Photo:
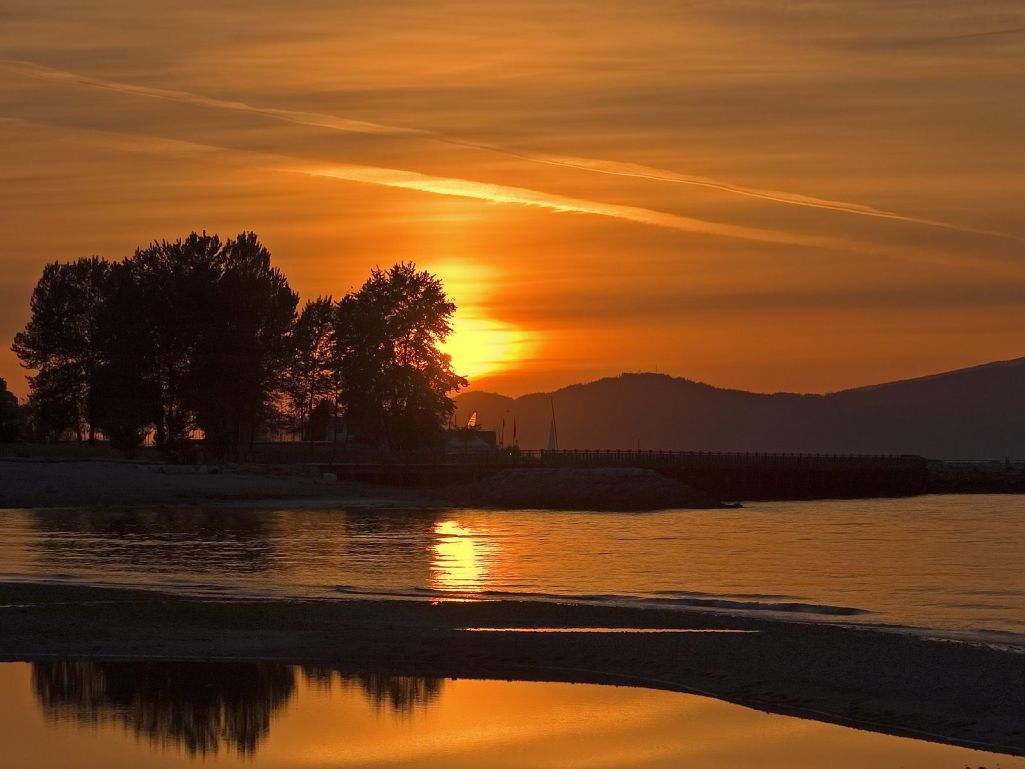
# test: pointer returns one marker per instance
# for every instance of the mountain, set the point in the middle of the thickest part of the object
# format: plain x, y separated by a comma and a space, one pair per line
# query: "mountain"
973, 413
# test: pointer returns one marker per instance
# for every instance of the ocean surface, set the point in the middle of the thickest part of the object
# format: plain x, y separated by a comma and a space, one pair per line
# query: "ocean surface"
946, 565
97, 715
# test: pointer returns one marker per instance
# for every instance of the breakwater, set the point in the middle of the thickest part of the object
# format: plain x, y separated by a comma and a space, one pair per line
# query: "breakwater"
727, 476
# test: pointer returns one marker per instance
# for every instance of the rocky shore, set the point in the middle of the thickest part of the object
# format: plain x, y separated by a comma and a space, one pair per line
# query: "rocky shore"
607, 488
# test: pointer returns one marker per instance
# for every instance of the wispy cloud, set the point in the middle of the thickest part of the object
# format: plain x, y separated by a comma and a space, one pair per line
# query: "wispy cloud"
592, 165
314, 119
498, 193
509, 195
633, 170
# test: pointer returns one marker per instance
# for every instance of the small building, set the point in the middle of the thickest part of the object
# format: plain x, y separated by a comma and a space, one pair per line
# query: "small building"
471, 439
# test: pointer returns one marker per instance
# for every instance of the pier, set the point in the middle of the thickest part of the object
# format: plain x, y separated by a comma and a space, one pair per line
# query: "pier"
727, 476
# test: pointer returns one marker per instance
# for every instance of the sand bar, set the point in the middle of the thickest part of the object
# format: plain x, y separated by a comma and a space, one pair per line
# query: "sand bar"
964, 694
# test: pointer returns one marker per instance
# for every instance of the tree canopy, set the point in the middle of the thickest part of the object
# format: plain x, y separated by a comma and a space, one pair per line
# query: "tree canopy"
201, 337
12, 421
61, 341
395, 380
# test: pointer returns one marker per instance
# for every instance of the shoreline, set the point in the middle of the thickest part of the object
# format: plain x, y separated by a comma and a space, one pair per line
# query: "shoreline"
943, 691
64, 482
103, 483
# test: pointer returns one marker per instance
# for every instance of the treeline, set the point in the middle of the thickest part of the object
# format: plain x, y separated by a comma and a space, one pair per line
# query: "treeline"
203, 338
14, 417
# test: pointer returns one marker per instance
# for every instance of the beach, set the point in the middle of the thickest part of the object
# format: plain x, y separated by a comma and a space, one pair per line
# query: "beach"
900, 683
60, 482
41, 483
957, 693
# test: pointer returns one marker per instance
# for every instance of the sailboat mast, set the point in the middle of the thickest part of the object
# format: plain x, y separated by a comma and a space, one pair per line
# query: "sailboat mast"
553, 432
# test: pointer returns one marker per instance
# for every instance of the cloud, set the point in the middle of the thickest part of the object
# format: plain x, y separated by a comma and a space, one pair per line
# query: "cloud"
509, 195
498, 193
314, 119
592, 165
633, 170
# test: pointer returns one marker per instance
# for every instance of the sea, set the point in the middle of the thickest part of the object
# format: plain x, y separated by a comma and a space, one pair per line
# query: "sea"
945, 566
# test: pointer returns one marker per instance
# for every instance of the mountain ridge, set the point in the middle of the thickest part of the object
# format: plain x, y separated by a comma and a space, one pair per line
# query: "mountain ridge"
969, 413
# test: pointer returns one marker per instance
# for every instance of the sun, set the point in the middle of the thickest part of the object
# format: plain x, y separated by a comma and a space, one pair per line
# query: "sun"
480, 344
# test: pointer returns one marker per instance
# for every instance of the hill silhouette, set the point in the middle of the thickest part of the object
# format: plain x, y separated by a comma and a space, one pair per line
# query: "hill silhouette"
972, 413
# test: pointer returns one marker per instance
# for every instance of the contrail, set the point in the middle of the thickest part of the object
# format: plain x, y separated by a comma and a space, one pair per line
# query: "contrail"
616, 168
607, 167
502, 194
483, 191
314, 119
498, 193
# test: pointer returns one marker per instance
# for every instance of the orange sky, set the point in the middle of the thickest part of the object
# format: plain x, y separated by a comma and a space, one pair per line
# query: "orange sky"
801, 196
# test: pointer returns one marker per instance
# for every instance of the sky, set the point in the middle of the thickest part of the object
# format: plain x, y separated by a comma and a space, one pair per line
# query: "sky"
801, 195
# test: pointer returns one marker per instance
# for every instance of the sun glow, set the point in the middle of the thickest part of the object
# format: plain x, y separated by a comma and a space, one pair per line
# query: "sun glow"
480, 346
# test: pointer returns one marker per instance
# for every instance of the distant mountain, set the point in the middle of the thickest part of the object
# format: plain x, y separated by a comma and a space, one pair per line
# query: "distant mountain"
973, 413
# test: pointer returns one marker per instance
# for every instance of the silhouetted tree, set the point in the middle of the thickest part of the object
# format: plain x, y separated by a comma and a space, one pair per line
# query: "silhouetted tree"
321, 418
129, 399
61, 343
173, 286
193, 337
12, 417
308, 377
242, 344
395, 382
203, 334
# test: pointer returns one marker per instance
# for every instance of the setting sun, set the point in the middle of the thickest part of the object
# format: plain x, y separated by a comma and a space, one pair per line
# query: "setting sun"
481, 346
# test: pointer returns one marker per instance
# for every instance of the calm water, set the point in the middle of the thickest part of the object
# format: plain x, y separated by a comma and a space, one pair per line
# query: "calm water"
96, 715
948, 563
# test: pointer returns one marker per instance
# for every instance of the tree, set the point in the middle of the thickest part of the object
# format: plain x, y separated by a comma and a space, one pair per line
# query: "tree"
395, 382
128, 397
242, 343
62, 344
193, 336
12, 416
308, 378
168, 293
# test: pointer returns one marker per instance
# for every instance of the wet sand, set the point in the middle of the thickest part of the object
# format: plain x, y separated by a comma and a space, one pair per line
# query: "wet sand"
904, 685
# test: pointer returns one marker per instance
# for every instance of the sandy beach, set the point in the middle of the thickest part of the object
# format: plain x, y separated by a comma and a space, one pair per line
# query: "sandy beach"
960, 693
40, 483
941, 691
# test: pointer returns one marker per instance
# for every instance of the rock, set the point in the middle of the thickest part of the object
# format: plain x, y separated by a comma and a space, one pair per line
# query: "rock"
613, 489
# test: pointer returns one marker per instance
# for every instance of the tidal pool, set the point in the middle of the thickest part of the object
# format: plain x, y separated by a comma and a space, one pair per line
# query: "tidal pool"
86, 714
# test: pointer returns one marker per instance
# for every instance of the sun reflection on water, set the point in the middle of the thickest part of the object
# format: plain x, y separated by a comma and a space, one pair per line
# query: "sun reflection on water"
461, 558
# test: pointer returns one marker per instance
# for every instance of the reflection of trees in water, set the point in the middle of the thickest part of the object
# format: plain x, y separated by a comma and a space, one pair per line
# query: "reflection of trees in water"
389, 548
204, 707
181, 540
371, 549
404, 695
201, 707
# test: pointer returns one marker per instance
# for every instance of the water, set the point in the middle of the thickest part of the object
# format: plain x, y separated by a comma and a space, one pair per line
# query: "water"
96, 715
950, 564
